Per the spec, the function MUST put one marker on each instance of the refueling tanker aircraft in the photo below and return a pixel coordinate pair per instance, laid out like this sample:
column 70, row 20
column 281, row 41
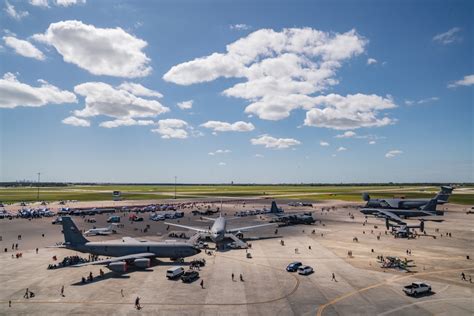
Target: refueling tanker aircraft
column 126, row 251
column 442, row 197
column 219, row 231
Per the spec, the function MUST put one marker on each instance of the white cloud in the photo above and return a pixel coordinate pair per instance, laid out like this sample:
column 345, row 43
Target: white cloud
column 220, row 151
column 75, row 121
column 13, row 13
column 240, row 27
column 466, row 81
column 371, row 61
column 372, row 142
column 185, row 105
column 323, row 143
column 138, row 89
column 259, row 156
column 219, row 126
column 172, row 128
column 347, row 134
column 101, row 51
column 393, row 153
column 275, row 143
column 125, row 122
column 23, row 48
column 67, row 3
column 349, row 112
column 40, row 3
column 222, row 164
column 448, row 37
column 14, row 93
column 282, row 69
column 118, row 103
column 422, row 101
column 342, row 149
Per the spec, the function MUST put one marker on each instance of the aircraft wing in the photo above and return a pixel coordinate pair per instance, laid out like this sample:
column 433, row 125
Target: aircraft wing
column 208, row 218
column 239, row 229
column 201, row 230
column 389, row 215
column 128, row 257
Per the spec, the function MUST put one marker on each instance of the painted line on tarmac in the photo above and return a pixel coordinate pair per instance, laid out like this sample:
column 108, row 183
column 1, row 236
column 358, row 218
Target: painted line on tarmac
column 392, row 279
column 423, row 302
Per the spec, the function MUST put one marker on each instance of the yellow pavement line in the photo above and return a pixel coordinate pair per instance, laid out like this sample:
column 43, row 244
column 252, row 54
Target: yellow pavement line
column 340, row 298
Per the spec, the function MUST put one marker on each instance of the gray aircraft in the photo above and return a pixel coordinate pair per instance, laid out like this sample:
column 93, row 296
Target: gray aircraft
column 442, row 197
column 219, row 231
column 125, row 251
column 396, row 215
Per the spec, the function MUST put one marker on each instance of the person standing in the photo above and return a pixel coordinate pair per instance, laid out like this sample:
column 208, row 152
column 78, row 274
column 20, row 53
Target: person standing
column 27, row 294
column 137, row 303
column 202, row 284
column 232, row 276
column 62, row 291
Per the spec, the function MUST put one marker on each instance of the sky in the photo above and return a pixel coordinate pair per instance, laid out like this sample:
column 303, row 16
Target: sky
column 236, row 91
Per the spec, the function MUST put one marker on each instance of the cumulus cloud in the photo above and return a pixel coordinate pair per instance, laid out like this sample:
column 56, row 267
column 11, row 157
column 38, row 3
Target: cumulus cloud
column 75, row 121
column 118, row 103
column 466, row 81
column 40, row 3
column 222, row 163
column 14, row 93
column 275, row 143
column 101, row 51
column 347, row 134
column 448, row 37
column 13, row 13
column 67, row 3
column 219, row 126
column 172, row 128
column 349, row 112
column 23, row 48
column 138, row 89
column 371, row 61
column 240, row 27
column 323, row 143
column 372, row 142
column 185, row 105
column 393, row 153
column 125, row 122
column 220, row 151
column 282, row 69
column 342, row 149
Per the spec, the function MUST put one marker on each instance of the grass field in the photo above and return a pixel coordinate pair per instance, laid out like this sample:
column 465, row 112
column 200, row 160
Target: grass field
column 148, row 192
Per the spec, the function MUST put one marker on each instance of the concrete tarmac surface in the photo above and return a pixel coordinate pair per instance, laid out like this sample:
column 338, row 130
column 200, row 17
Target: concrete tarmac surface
column 362, row 287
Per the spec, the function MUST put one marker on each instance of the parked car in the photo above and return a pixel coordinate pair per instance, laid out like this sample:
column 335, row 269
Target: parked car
column 417, row 288
column 57, row 220
column 292, row 267
column 113, row 219
column 174, row 272
column 305, row 270
column 189, row 276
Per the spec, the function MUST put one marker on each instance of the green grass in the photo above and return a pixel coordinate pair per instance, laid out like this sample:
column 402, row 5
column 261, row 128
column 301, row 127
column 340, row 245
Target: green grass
column 145, row 192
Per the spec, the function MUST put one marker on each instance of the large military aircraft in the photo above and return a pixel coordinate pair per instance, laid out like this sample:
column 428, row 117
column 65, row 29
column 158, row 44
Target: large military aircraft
column 396, row 215
column 442, row 197
column 218, row 232
column 125, row 251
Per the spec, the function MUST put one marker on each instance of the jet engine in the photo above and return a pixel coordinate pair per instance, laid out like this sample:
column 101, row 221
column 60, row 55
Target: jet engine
column 119, row 267
column 142, row 263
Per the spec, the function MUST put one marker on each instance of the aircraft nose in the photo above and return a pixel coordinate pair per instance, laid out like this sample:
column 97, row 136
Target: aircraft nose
column 197, row 250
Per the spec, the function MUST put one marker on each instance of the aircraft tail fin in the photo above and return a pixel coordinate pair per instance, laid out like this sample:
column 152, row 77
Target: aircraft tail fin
column 366, row 197
column 444, row 194
column 274, row 208
column 72, row 235
column 431, row 206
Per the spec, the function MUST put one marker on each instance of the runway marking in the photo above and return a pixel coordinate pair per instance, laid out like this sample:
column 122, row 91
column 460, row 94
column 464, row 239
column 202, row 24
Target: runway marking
column 392, row 279
column 423, row 302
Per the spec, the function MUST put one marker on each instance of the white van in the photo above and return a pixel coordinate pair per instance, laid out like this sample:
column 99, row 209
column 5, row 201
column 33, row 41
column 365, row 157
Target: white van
column 174, row 272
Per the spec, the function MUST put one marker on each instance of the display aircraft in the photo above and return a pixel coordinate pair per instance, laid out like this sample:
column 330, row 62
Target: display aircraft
column 218, row 231
column 102, row 231
column 125, row 251
column 442, row 197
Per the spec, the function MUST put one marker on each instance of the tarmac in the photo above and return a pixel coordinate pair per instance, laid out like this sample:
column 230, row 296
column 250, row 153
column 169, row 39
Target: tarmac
column 362, row 287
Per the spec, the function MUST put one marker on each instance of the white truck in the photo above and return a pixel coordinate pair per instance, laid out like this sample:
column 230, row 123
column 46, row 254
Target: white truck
column 417, row 288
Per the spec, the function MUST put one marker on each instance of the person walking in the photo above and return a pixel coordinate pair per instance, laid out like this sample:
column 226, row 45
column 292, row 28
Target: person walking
column 27, row 294
column 137, row 303
column 62, row 291
column 333, row 278
column 463, row 276
column 241, row 278
column 202, row 284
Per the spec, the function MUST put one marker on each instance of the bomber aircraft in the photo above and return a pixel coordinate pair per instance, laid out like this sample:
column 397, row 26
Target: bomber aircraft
column 126, row 251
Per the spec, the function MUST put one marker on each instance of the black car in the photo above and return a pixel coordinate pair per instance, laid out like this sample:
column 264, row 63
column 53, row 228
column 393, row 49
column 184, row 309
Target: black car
column 189, row 276
column 138, row 219
column 293, row 267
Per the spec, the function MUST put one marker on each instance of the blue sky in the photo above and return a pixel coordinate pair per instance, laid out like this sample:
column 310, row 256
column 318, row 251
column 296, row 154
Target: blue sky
column 273, row 92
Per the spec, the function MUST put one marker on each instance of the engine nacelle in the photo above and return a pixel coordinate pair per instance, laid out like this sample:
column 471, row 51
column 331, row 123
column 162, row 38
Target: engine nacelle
column 142, row 263
column 119, row 267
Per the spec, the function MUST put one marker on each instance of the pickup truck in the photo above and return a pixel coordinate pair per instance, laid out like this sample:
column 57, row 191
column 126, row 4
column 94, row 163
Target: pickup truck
column 417, row 288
